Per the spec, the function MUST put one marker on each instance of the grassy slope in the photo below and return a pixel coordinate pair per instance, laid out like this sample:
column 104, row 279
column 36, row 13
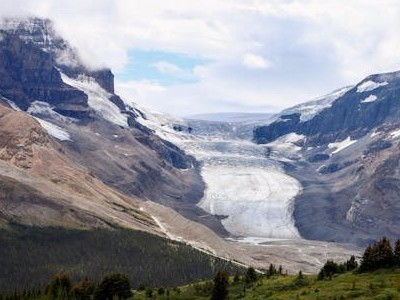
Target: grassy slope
column 29, row 257
column 382, row 284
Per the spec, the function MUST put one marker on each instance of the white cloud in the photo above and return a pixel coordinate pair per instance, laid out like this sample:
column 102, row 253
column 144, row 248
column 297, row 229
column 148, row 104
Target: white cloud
column 254, row 61
column 139, row 91
column 315, row 46
column 167, row 67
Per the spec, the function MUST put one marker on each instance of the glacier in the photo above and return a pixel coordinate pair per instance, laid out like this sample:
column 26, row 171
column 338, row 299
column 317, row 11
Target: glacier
column 250, row 191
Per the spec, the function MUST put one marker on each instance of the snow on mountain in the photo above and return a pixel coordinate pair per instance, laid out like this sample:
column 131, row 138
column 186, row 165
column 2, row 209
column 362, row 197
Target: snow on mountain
column 370, row 85
column 13, row 105
column 395, row 134
column 42, row 33
column 369, row 99
column 339, row 146
column 98, row 99
column 54, row 130
column 287, row 141
column 40, row 108
column 310, row 109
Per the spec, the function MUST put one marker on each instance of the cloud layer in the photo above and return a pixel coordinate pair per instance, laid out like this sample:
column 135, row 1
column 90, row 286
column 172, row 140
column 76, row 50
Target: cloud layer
column 261, row 55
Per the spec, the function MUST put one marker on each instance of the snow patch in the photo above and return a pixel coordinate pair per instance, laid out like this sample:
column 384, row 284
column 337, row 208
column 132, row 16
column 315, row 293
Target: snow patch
column 375, row 133
column 13, row 105
column 54, row 130
column 370, row 86
column 395, row 134
column 287, row 141
column 98, row 99
column 45, row 109
column 370, row 98
column 339, row 146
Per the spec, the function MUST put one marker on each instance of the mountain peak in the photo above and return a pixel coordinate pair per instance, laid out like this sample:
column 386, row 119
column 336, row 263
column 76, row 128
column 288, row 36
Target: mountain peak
column 43, row 34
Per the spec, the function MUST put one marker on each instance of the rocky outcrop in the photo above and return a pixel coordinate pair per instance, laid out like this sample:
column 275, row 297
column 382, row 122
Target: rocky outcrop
column 18, row 138
column 28, row 74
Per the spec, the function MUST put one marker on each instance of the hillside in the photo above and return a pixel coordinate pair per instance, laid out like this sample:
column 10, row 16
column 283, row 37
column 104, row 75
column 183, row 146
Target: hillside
column 381, row 284
column 35, row 254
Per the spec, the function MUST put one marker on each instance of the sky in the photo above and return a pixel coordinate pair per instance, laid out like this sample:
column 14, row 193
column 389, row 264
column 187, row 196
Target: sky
column 189, row 57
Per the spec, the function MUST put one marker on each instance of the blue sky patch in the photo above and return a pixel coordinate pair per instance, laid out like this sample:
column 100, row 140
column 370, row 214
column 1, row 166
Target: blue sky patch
column 166, row 68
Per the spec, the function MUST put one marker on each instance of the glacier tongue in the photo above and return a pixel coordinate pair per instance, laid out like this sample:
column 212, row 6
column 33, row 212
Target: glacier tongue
column 256, row 200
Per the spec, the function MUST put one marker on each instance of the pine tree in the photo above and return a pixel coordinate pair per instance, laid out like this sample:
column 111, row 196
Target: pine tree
column 379, row 255
column 113, row 286
column 271, row 270
column 385, row 254
column 397, row 253
column 367, row 262
column 236, row 279
column 280, row 270
column 220, row 287
column 251, row 275
column 351, row 264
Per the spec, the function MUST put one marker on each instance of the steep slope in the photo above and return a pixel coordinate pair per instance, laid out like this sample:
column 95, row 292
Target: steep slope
column 41, row 186
column 347, row 162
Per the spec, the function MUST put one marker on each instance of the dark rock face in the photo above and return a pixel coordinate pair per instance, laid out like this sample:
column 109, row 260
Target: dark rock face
column 284, row 125
column 28, row 74
column 33, row 55
column 41, row 32
column 318, row 157
column 104, row 77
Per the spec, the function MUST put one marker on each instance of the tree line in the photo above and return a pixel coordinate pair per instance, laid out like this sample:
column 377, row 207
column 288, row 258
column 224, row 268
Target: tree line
column 379, row 255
